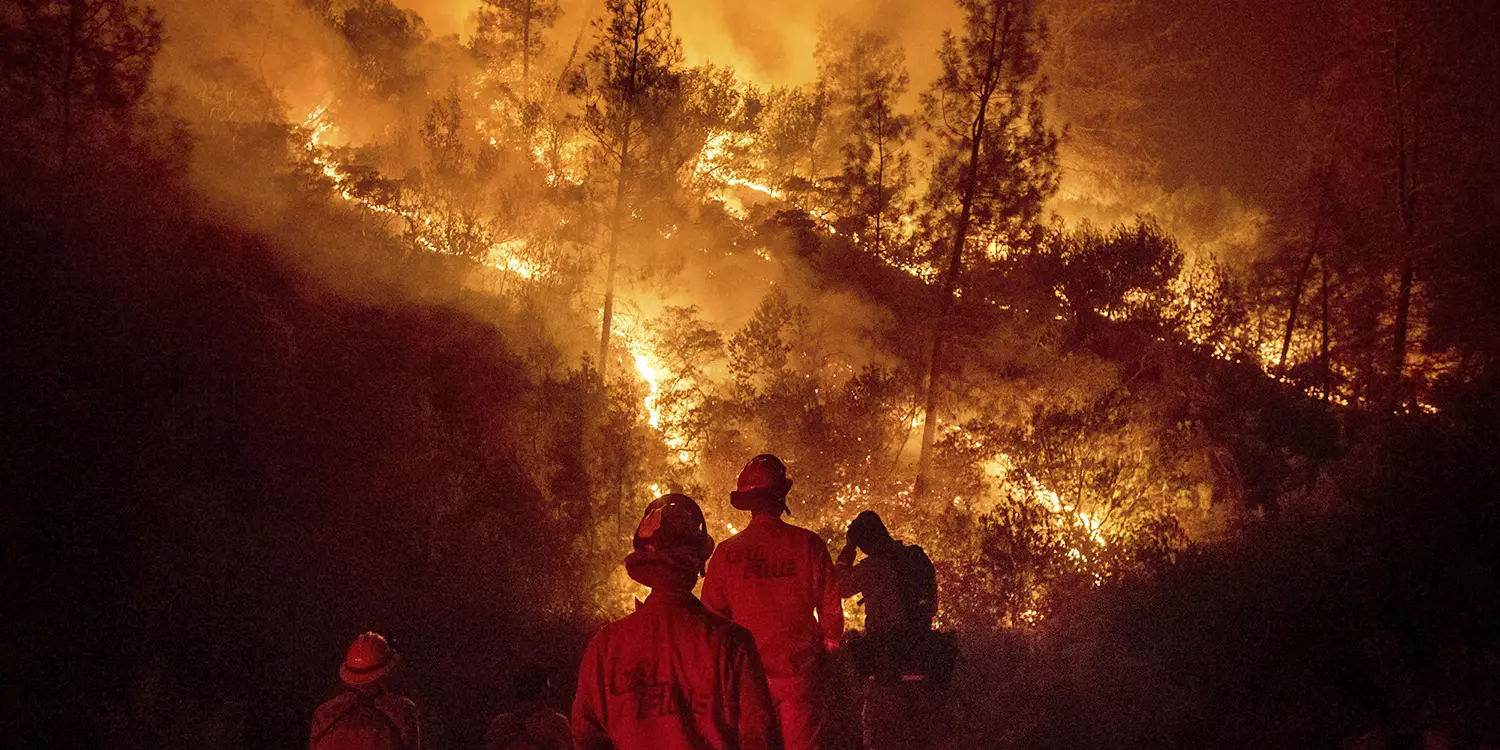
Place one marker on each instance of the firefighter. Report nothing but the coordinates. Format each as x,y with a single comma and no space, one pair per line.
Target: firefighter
896,579
777,580
906,665
532,724
366,715
672,674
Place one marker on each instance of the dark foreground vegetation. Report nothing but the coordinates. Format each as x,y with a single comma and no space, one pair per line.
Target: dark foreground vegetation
238,426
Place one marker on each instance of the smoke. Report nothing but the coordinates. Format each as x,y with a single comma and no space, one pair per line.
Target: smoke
769,42
215,51
290,60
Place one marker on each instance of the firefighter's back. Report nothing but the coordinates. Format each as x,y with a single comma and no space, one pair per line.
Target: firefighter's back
353,721
770,578
666,677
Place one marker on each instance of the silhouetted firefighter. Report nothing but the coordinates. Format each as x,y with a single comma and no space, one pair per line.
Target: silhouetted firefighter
531,724
772,577
672,674
906,665
366,715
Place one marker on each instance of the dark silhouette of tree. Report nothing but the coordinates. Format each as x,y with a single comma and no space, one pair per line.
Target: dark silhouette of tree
1116,272
866,77
381,36
631,69
1319,220
513,29
70,63
1394,116
994,159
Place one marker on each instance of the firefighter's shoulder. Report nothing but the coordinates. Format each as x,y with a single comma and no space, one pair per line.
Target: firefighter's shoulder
716,624
809,537
732,632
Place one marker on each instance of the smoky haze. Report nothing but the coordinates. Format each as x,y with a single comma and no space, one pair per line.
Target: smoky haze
1196,81
1199,78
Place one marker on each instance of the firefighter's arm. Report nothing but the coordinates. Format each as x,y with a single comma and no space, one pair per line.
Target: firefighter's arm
750,696
830,604
715,594
589,732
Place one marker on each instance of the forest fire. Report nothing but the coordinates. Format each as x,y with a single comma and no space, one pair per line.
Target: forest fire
335,316
732,163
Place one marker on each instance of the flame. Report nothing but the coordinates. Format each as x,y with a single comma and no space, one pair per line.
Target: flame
651,370
713,164
506,256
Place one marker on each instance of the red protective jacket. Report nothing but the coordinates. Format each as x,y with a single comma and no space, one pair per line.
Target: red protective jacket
354,720
673,676
772,577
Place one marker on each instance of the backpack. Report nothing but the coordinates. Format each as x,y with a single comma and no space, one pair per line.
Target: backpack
510,733
917,581
362,726
917,650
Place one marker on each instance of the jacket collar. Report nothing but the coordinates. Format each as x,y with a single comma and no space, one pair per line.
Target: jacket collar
766,519
670,598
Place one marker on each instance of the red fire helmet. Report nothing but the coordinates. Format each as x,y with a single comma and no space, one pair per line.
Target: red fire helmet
370,657
674,533
763,482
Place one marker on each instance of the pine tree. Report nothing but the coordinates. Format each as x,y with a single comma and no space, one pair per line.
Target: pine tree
512,29
66,62
866,78
994,159
632,67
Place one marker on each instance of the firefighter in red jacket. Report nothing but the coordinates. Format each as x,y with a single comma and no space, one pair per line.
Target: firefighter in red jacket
777,580
672,675
366,715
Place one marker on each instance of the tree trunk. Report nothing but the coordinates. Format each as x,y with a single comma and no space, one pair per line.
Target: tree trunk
1295,301
1403,314
616,217
1407,144
617,214
526,46
880,139
955,257
1323,338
